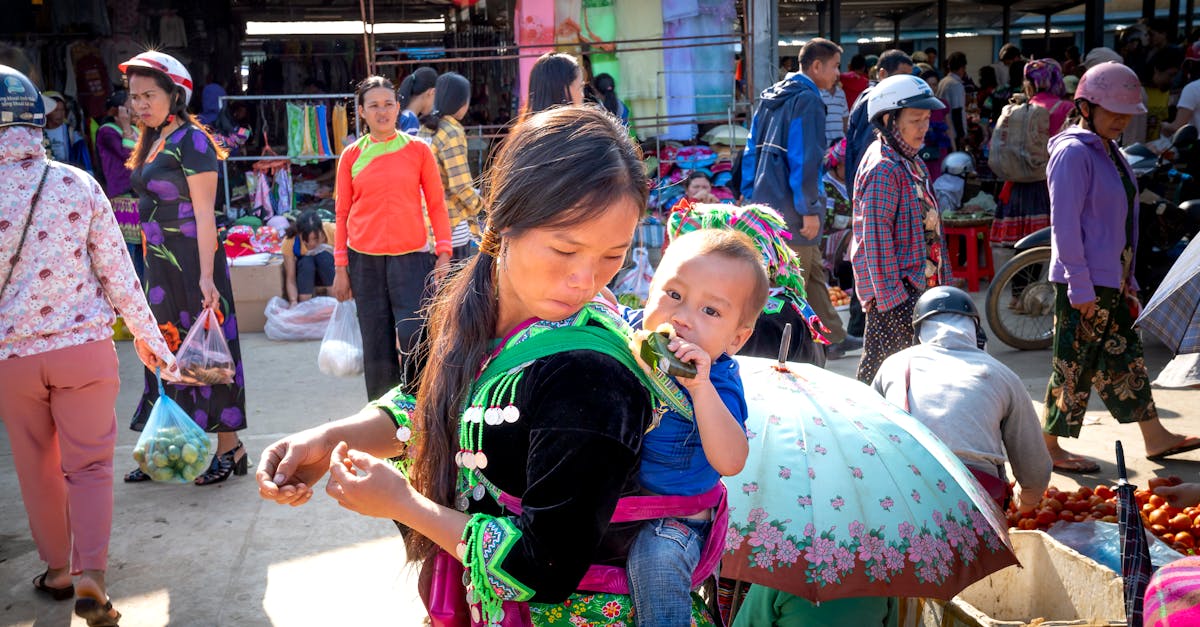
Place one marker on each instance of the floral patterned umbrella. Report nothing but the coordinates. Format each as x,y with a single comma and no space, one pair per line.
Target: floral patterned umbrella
846,495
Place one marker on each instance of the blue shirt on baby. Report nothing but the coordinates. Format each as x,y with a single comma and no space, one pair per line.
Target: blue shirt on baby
673,461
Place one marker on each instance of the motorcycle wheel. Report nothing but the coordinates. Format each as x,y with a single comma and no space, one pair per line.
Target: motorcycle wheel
1023,317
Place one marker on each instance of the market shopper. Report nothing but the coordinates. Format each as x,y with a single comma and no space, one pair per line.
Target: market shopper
307,256
1025,206
1094,222
443,129
952,90
64,271
555,79
174,173
898,244
792,114
115,140
550,245
974,403
381,251
416,97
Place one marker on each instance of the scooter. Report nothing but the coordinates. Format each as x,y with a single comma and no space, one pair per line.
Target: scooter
1020,300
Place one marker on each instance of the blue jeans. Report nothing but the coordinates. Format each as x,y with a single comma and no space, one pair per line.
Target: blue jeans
313,270
660,565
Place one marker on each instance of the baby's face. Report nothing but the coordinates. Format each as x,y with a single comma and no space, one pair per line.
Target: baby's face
704,297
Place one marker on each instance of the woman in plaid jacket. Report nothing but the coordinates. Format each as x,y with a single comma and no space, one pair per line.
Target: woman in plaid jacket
898,246
444,132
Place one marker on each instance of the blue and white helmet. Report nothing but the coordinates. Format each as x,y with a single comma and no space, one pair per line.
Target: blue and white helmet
20,102
903,91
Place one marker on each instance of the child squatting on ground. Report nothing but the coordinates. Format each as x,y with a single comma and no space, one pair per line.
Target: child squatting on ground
710,286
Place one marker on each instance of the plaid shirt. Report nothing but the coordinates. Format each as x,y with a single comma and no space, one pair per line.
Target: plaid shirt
889,237
449,144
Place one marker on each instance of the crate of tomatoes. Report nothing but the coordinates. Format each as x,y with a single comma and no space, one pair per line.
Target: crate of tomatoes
1178,527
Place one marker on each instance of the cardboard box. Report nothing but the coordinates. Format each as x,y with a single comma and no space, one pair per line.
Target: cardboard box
253,286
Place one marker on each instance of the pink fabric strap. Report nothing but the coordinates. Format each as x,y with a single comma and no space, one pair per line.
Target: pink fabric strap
612,579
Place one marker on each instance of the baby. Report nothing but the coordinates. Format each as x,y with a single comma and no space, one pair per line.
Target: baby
710,286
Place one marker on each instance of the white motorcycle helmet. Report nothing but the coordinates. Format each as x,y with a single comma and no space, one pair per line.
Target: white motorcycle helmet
958,164
165,63
903,91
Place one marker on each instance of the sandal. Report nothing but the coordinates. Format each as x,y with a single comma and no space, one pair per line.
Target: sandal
136,476
58,594
1076,465
1185,445
97,614
224,464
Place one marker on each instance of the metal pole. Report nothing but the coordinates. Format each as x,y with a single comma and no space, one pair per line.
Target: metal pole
764,44
943,17
1046,37
1173,16
362,9
1147,9
821,21
1093,24
896,32
1006,27
835,21
1191,14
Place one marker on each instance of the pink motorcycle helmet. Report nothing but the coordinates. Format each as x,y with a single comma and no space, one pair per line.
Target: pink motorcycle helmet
1114,87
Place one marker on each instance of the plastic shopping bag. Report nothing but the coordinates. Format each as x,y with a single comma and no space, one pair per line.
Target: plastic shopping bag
341,352
172,448
204,357
303,321
633,287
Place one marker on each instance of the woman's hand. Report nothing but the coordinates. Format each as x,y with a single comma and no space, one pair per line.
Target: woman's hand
810,226
368,485
441,267
341,284
208,291
290,467
170,371
1085,309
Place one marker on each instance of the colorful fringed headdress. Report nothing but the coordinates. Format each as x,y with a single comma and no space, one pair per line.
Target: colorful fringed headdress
770,235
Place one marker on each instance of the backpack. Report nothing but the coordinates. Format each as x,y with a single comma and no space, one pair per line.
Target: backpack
1018,151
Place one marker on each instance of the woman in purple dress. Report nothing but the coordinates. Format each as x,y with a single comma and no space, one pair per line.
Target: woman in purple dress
175,177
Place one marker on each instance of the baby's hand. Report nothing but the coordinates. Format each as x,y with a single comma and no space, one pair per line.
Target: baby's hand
690,353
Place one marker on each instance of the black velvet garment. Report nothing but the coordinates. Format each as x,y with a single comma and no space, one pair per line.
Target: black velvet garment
571,455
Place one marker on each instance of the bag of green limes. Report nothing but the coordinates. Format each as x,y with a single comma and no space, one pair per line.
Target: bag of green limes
172,447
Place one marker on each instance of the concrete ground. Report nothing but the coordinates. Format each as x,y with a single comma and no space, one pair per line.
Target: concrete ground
220,555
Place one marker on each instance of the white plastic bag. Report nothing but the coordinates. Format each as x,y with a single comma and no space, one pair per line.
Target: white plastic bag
303,321
633,287
341,352
204,357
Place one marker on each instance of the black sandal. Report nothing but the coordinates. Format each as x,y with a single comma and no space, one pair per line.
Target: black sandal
224,464
97,614
58,594
136,476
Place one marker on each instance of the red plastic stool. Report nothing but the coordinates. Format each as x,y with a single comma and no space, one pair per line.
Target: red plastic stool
973,236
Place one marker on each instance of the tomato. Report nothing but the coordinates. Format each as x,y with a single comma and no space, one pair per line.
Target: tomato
1168,537
1047,516
1186,539
1066,515
1159,517
1054,504
1027,524
1158,530
1084,492
1080,518
1180,522
1157,500
1109,519
1147,508
1077,506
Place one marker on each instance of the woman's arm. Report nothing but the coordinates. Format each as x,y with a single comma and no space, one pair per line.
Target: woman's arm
289,273
202,188
1069,177
880,197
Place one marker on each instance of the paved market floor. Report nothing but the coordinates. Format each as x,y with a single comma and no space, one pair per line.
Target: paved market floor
219,555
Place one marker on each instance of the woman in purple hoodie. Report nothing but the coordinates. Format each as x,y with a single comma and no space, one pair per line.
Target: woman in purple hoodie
1093,216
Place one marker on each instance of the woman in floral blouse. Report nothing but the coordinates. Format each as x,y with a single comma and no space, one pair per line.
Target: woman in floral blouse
64,270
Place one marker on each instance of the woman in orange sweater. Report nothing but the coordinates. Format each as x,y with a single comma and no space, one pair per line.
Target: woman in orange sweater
381,251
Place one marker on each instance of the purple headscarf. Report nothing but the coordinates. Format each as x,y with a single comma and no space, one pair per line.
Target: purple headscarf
1046,75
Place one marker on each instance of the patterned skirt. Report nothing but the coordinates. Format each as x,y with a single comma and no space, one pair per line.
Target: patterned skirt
600,608
1027,209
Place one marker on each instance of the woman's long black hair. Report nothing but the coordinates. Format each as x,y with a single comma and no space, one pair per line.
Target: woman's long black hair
550,82
559,167
415,84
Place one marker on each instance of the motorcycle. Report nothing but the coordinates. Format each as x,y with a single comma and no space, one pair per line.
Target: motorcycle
1020,300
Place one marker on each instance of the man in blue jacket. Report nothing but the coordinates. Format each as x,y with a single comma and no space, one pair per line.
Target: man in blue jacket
781,168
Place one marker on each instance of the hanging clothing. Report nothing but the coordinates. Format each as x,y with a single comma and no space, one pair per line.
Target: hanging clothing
340,127
640,70
172,32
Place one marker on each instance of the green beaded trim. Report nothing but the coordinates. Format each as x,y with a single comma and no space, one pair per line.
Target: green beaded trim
486,541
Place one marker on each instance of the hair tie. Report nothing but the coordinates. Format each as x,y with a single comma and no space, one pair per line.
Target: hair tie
490,244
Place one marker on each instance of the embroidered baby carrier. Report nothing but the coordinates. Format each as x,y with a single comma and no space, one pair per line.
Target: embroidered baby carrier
465,591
